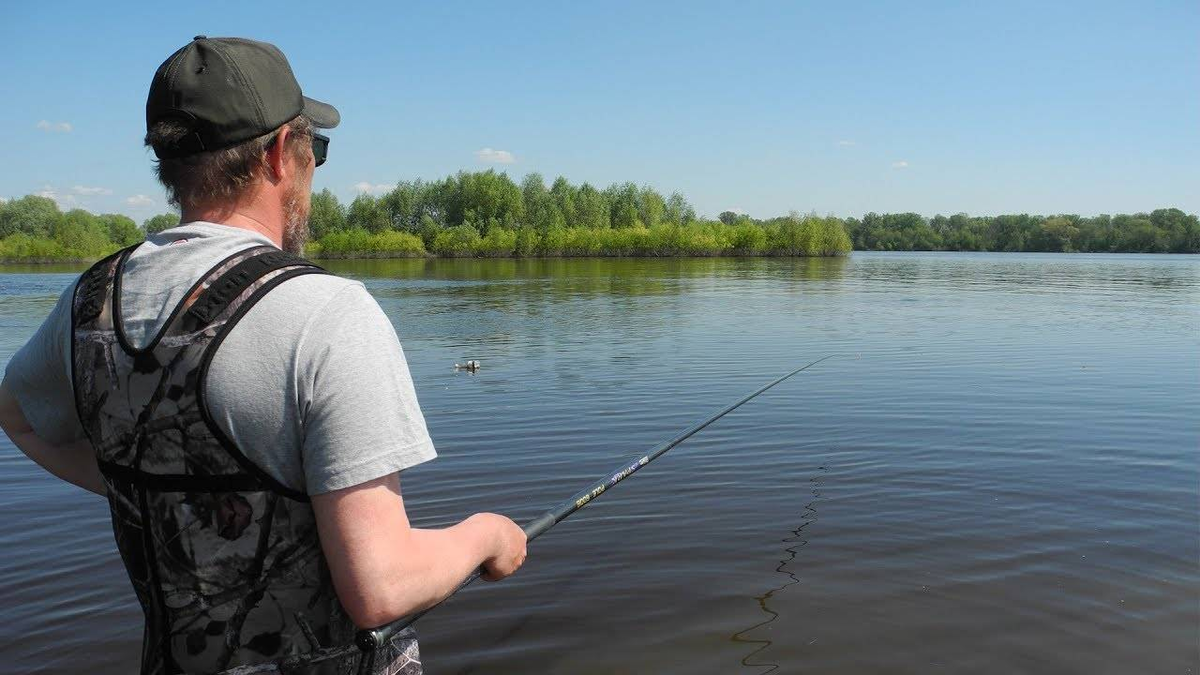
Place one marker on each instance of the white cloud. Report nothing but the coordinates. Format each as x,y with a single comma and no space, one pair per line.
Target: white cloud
55,127
69,199
902,164
63,200
495,156
90,191
740,212
139,201
380,188
847,144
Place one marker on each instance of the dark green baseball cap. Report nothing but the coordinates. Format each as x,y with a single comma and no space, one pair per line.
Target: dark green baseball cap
228,90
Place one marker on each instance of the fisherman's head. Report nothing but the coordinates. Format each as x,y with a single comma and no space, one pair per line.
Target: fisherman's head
230,127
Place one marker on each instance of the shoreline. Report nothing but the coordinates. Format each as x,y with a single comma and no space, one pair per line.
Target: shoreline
373,255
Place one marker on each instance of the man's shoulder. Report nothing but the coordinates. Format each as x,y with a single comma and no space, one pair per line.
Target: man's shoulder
314,293
311,302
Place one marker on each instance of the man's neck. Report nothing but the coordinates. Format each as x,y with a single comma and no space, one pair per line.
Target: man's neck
244,216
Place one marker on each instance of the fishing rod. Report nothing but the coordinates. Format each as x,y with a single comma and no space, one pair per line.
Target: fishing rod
368,640
374,638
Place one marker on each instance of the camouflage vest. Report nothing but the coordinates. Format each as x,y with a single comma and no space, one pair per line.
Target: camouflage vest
224,559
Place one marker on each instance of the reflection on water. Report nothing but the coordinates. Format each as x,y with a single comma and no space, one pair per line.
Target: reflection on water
794,541
1010,483
593,273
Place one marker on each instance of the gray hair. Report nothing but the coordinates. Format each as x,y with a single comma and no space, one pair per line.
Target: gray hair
221,176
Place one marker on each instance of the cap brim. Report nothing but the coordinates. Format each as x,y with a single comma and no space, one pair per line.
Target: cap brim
322,115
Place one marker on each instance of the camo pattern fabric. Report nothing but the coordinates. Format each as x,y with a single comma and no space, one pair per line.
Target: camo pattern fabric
225,561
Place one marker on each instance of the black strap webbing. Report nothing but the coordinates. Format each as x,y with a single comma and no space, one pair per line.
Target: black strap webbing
237,279
93,286
238,482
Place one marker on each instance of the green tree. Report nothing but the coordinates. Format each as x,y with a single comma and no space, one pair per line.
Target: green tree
564,196
121,230
591,209
1181,230
678,211
623,204
428,230
32,215
401,205
457,242
1137,234
541,212
651,206
163,221
1014,232
1058,235
368,214
80,233
487,196
326,215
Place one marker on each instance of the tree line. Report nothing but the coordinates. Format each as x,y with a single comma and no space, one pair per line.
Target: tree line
33,228
486,213
625,219
1160,231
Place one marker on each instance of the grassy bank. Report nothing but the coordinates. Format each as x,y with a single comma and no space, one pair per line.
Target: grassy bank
809,236
28,249
802,237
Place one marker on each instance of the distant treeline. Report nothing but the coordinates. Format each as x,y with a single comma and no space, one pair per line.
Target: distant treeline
487,214
480,214
33,229
1160,231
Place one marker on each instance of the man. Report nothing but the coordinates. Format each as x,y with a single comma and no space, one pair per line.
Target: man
246,414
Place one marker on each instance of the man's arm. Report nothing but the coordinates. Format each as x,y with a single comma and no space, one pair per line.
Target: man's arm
384,569
74,461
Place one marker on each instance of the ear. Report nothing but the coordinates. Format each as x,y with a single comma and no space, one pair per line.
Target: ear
277,156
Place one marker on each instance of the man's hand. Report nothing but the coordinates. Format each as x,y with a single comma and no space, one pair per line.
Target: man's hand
510,547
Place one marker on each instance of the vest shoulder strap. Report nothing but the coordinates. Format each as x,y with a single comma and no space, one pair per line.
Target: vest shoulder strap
92,288
235,281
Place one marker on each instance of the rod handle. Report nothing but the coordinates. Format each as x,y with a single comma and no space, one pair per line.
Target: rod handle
536,527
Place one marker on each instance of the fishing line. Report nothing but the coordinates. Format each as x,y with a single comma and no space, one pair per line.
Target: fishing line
796,540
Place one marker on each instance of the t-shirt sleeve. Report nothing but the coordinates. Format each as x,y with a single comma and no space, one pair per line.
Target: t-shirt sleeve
39,377
360,413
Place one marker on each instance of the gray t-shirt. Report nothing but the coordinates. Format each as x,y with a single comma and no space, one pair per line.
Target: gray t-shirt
311,384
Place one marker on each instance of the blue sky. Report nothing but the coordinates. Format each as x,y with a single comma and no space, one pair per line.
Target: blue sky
843,108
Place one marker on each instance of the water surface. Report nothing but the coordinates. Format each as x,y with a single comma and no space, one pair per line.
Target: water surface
997,474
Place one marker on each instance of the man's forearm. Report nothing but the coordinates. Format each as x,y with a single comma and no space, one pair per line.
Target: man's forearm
429,567
452,554
73,462
384,569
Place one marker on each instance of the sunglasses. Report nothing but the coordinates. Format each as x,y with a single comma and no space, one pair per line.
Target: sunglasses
320,146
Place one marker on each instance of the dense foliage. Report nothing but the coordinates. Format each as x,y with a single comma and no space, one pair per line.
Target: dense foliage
32,228
486,214
1160,231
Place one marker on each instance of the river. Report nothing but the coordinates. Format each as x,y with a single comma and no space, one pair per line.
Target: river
997,473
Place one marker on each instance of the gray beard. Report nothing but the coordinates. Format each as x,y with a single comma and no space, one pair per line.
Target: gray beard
295,227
